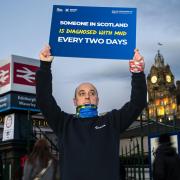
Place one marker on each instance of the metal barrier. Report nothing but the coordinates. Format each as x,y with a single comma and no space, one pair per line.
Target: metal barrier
135,161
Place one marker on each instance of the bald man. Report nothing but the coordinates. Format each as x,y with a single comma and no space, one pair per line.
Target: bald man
90,142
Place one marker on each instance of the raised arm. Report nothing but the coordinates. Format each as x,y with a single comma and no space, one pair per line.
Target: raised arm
45,100
138,99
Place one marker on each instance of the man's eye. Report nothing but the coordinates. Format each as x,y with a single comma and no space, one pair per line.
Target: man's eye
92,93
81,93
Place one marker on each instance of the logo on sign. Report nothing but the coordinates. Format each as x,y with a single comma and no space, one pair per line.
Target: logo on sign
24,74
9,122
4,75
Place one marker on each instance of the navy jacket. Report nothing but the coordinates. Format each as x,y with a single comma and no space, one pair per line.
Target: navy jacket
91,145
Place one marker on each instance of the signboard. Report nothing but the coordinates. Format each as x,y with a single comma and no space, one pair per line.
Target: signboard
24,74
154,144
18,101
5,102
8,131
4,75
35,122
93,32
18,74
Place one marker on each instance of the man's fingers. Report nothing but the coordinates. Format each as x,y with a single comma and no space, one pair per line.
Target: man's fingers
137,56
136,66
45,54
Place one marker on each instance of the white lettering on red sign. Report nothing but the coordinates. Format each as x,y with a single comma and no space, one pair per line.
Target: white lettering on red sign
25,74
4,75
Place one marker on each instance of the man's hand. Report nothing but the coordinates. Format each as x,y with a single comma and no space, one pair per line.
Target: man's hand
45,54
136,65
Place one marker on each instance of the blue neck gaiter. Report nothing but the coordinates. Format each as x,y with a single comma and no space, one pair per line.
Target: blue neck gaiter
86,111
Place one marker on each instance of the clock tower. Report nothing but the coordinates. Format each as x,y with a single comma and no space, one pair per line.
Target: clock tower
161,90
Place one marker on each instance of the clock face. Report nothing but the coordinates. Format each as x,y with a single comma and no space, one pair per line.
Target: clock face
154,79
168,78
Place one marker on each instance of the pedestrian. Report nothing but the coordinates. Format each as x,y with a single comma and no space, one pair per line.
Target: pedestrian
41,164
90,142
166,165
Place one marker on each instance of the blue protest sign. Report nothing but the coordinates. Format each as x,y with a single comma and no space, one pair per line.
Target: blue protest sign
93,32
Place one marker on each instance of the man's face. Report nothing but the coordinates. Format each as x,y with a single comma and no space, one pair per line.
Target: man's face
86,93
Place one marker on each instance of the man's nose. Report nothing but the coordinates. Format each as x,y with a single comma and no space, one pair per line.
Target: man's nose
87,96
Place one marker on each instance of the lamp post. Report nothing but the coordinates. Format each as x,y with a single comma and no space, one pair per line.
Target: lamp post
142,146
155,113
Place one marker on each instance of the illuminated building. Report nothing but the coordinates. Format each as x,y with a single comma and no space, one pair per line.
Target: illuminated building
163,99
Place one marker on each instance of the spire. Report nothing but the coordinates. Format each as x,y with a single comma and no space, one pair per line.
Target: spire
159,60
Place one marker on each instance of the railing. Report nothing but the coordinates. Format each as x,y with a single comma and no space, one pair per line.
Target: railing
133,157
135,161
54,148
37,133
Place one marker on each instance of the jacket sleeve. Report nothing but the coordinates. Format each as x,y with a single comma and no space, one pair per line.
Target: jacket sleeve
46,101
123,117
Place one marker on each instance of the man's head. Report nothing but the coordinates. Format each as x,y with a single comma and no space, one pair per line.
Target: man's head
164,139
86,93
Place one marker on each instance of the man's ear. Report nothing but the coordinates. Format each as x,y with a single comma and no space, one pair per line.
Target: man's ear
75,102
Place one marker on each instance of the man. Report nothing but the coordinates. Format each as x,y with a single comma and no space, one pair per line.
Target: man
90,142
166,164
